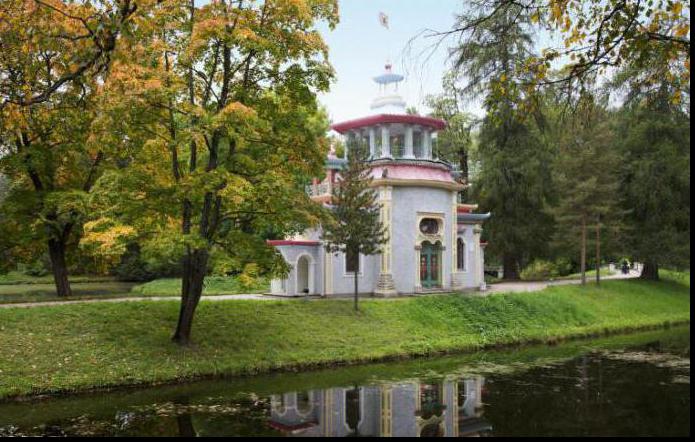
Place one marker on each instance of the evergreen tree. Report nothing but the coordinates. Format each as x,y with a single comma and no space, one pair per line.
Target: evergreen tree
587,182
655,181
514,180
356,228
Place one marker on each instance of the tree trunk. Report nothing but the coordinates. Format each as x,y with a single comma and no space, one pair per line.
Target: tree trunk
650,271
511,267
598,253
184,419
463,164
582,263
195,268
357,295
56,252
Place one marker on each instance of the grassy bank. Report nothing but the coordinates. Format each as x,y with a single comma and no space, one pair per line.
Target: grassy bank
12,278
64,348
214,286
19,288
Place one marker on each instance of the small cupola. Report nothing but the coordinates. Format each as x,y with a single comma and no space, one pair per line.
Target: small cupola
388,100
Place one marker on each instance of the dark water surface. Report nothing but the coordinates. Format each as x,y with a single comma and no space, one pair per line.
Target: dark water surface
633,385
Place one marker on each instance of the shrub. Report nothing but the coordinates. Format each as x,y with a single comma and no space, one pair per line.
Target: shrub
564,267
132,267
540,270
39,267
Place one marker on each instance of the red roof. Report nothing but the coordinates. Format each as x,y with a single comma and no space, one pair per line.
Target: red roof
433,123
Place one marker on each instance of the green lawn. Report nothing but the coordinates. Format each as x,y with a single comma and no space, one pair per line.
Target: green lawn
65,348
214,286
37,292
33,289
590,274
13,278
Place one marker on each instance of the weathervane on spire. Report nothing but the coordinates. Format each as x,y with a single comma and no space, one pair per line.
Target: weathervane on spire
384,20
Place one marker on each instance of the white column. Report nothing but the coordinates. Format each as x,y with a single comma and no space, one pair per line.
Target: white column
385,141
372,142
409,142
427,144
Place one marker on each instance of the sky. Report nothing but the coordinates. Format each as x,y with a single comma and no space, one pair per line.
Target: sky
360,47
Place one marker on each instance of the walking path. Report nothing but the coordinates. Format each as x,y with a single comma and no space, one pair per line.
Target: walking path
503,287
527,286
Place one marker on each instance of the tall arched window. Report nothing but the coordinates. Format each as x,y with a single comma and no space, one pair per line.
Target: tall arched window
460,254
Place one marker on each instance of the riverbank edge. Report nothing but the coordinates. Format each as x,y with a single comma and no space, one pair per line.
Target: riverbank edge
46,394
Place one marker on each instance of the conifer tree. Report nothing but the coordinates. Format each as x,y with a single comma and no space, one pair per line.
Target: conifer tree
655,180
513,182
356,228
586,180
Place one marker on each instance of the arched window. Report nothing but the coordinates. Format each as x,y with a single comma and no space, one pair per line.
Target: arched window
460,254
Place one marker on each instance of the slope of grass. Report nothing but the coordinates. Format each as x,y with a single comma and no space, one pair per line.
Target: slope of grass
11,278
65,348
37,292
35,289
214,286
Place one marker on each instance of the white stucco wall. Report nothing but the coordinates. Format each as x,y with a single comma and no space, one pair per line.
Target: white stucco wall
469,278
408,204
292,255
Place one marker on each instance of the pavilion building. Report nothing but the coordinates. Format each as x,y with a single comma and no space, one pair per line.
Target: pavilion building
434,239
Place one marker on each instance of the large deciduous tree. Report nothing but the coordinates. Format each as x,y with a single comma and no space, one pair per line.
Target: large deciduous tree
587,38
225,94
53,57
455,142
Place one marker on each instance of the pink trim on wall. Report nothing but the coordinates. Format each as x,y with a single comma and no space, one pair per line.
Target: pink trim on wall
420,172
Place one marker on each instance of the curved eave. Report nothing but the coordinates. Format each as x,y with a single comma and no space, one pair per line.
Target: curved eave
389,78
432,123
473,218
278,243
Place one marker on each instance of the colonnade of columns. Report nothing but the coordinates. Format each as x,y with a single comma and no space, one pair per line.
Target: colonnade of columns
379,139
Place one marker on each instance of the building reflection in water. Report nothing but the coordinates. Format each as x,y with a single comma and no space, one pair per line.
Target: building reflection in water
448,408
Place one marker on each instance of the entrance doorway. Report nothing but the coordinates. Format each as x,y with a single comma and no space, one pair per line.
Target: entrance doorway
430,262
303,276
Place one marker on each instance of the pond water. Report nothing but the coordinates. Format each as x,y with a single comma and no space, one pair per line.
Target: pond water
632,385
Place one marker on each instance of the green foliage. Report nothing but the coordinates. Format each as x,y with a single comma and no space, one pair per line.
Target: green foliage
586,176
355,227
655,180
540,270
131,266
245,337
454,144
514,182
